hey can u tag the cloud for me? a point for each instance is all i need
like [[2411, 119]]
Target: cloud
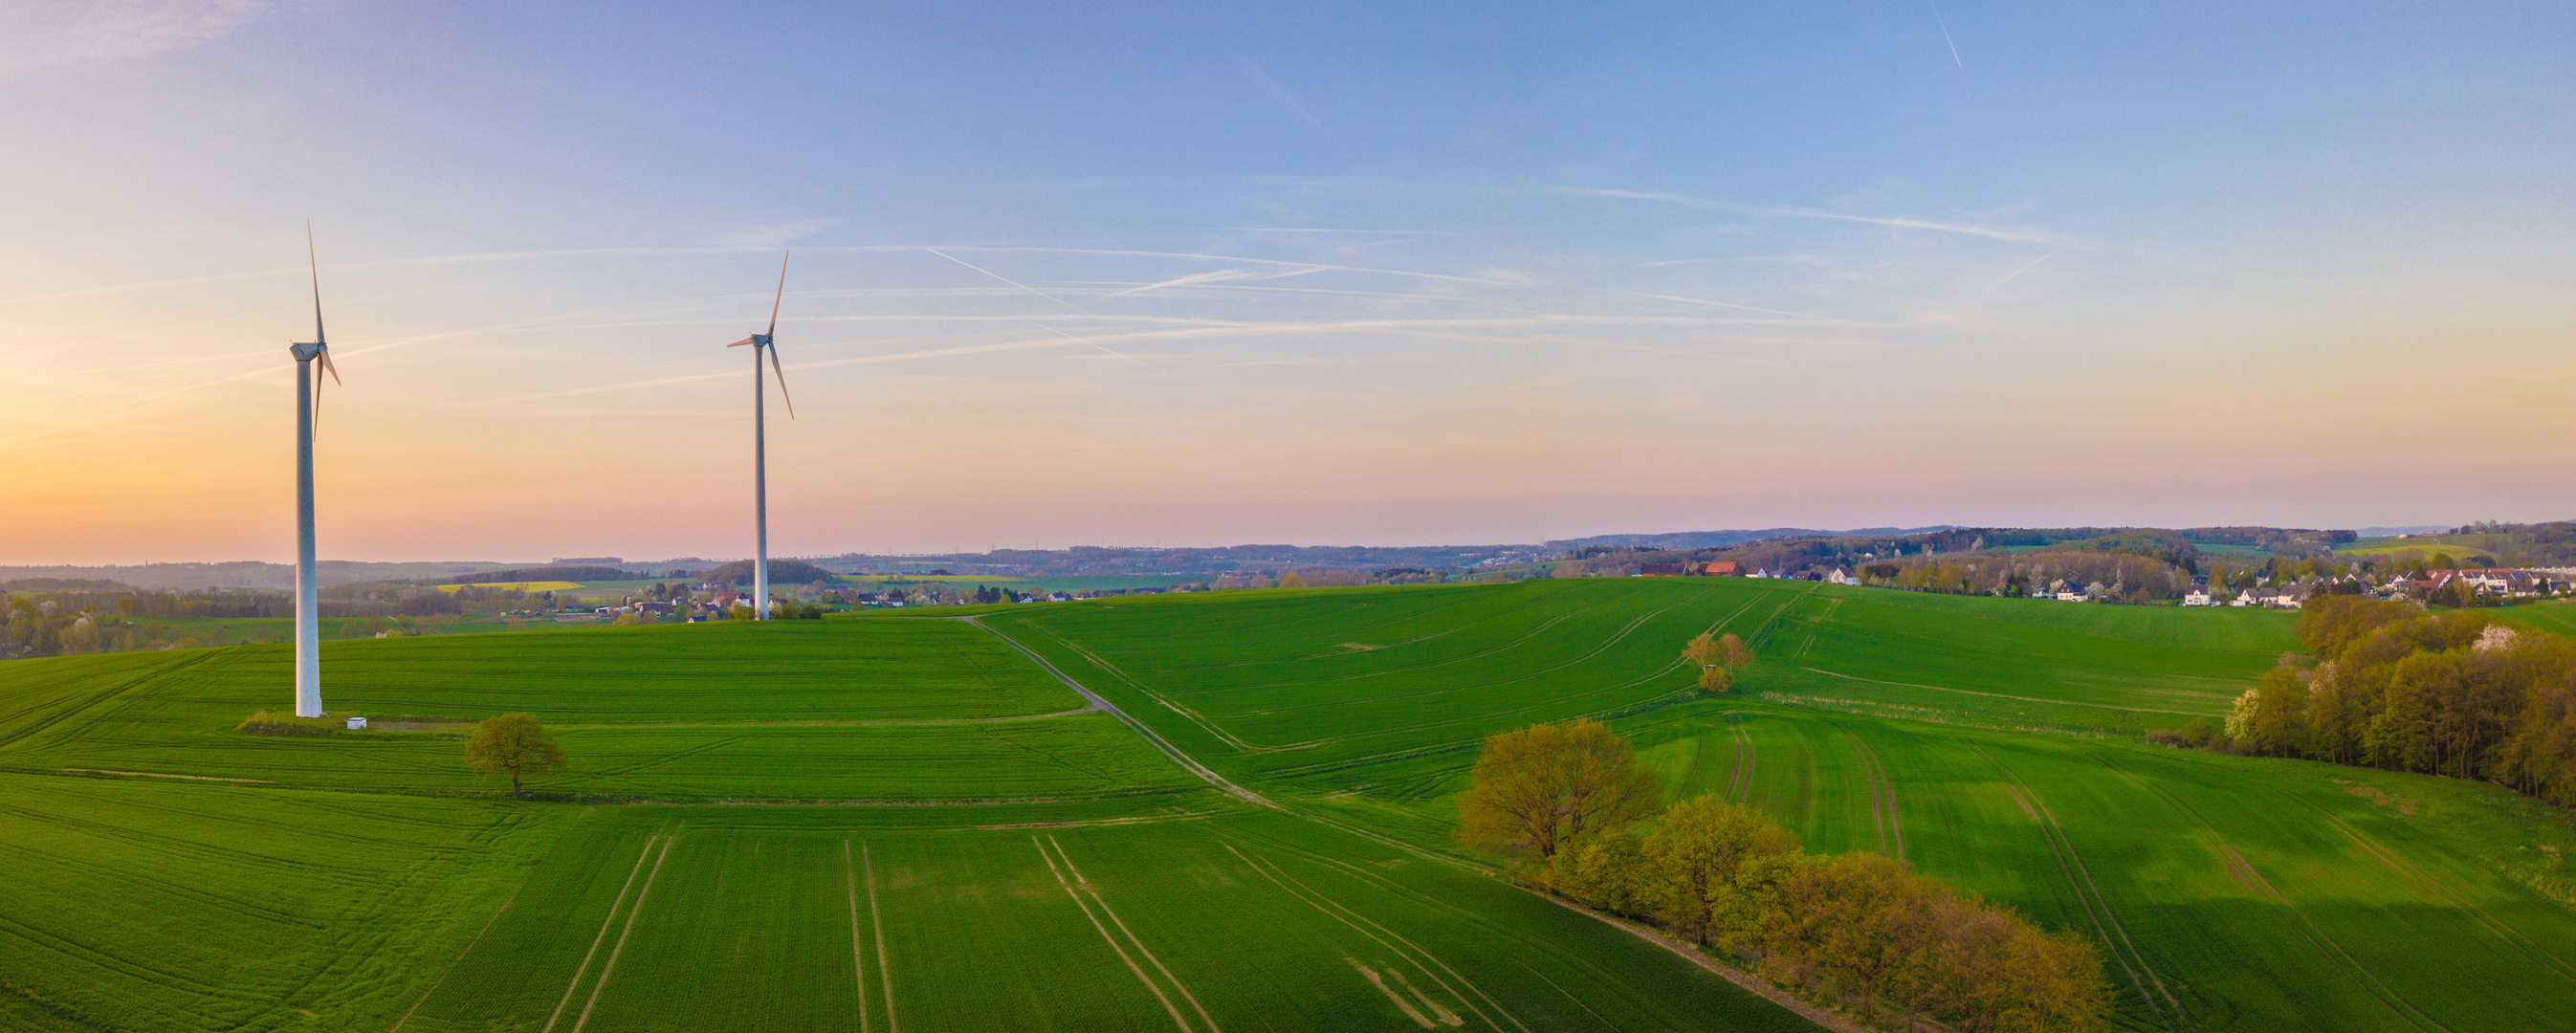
[[2013, 233], [773, 235], [43, 33]]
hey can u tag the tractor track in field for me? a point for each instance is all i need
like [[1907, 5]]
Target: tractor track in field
[[1882, 795], [858, 950], [1422, 960], [1739, 786], [460, 959], [595, 941], [94, 700], [609, 967], [1999, 695], [2361, 975], [1084, 886], [2503, 931], [2097, 908]]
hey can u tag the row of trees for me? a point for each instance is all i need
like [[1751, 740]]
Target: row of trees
[[2396, 687], [1858, 931]]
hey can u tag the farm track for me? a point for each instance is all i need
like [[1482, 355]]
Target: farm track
[[2097, 908], [1169, 750]]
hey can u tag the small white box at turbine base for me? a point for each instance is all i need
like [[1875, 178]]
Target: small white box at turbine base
[[356, 723]]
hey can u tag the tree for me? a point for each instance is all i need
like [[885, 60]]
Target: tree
[[1291, 580], [1547, 785], [514, 745], [1737, 654], [1711, 658], [1697, 853]]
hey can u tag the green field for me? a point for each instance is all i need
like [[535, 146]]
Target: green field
[[906, 822]]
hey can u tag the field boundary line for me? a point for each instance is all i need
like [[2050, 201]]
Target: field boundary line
[[858, 958], [595, 941], [876, 918], [1999, 695], [460, 959], [1337, 911], [2086, 894], [1169, 750], [1177, 1020], [631, 915], [1148, 952]]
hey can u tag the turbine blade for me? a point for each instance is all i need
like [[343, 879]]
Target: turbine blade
[[740, 343], [774, 367], [327, 367], [782, 293], [317, 404], [314, 262]]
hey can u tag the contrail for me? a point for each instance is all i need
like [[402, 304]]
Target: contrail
[[1289, 102], [1049, 297], [1944, 23]]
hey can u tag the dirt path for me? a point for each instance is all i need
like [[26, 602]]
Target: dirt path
[[1097, 703], [876, 919]]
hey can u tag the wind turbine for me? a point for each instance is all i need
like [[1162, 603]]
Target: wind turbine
[[759, 343], [308, 409]]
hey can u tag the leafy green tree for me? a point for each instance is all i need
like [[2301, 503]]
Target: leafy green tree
[[514, 745], [1544, 786], [1698, 854]]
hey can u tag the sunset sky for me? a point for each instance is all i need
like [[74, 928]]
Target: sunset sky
[[1207, 273]]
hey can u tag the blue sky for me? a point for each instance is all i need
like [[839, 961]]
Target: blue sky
[[1199, 274]]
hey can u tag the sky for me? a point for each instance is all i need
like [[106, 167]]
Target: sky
[[1211, 273]]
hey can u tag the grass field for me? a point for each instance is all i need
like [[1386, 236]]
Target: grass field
[[926, 830]]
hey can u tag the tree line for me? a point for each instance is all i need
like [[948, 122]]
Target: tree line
[[2396, 687], [1861, 932]]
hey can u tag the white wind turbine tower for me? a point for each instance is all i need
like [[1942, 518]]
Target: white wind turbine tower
[[759, 343], [308, 408]]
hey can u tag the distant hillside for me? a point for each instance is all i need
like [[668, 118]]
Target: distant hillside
[[781, 572], [517, 574], [1722, 539]]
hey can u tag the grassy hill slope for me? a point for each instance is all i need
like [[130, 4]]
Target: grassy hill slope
[[932, 832]]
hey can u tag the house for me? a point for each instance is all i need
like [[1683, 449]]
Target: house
[[1839, 577], [2197, 595], [2068, 593], [1718, 568]]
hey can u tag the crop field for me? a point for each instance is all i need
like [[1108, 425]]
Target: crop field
[[2231, 892], [2557, 618], [519, 586], [686, 919], [911, 823]]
